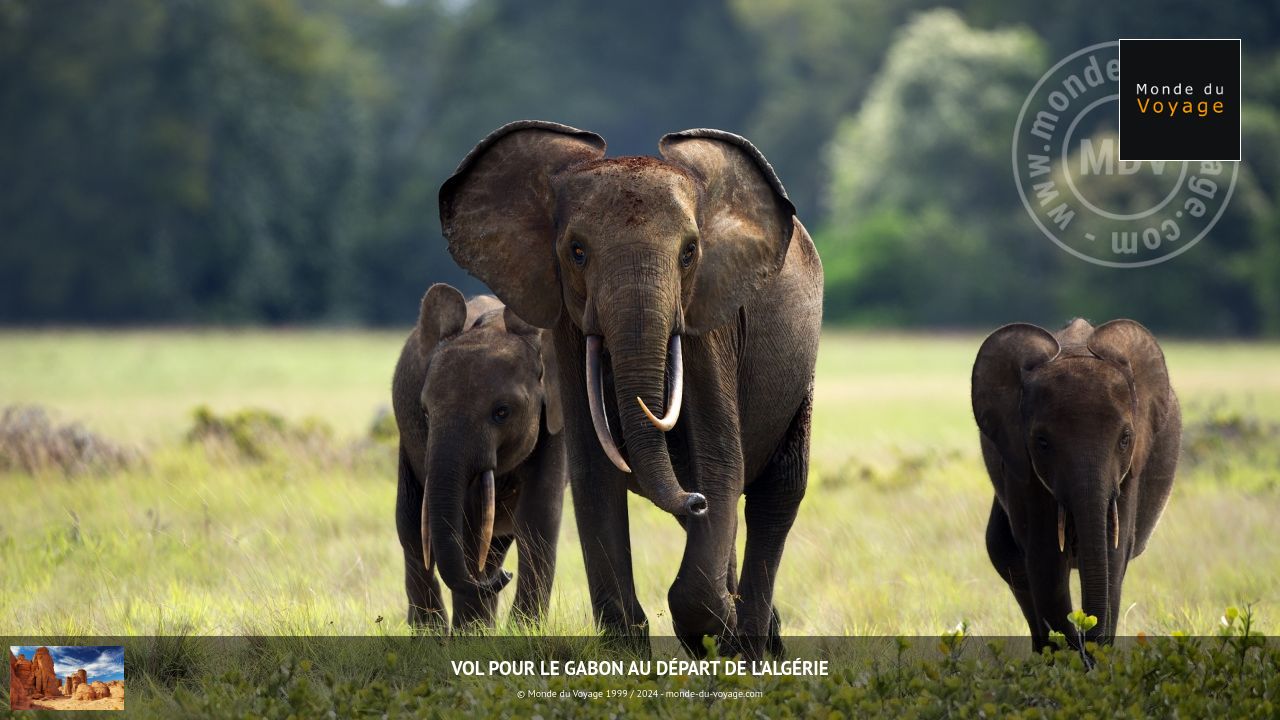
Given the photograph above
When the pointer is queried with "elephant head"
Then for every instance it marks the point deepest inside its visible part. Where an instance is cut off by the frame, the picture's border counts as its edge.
(634, 252)
(1080, 421)
(485, 401)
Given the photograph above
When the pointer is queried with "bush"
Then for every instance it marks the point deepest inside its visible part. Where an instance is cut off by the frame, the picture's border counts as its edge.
(259, 436)
(1234, 448)
(30, 442)
(253, 432)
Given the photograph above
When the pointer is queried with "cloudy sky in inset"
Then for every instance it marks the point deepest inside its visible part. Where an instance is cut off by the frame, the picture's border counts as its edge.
(100, 662)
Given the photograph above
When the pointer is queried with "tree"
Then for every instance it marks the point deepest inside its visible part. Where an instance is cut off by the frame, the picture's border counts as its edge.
(924, 224)
(175, 160)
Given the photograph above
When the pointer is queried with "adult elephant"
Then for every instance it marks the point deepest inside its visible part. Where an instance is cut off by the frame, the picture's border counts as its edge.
(685, 301)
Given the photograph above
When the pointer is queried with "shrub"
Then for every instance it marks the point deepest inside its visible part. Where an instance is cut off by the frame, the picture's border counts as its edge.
(30, 442)
(257, 435)
(253, 432)
(1232, 674)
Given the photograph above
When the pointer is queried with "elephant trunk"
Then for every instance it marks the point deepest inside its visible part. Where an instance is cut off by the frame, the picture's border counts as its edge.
(445, 529)
(1094, 534)
(638, 319)
(595, 397)
(640, 374)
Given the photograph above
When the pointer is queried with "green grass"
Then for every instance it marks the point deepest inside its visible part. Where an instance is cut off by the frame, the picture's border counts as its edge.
(889, 539)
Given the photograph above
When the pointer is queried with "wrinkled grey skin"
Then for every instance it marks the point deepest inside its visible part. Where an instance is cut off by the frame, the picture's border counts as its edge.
(462, 361)
(701, 244)
(1076, 420)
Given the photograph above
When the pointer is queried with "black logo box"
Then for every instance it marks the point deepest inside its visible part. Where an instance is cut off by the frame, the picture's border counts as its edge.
(1187, 68)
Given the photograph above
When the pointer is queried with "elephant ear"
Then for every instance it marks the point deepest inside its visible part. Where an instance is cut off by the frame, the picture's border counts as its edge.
(996, 391)
(745, 219)
(442, 315)
(541, 341)
(1133, 347)
(551, 385)
(497, 211)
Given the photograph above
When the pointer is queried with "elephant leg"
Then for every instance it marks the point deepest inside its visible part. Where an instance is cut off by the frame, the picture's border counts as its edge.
(600, 510)
(1010, 563)
(426, 603)
(599, 504)
(700, 599)
(731, 573)
(537, 521)
(728, 646)
(470, 609)
(1118, 568)
(773, 501)
(1049, 575)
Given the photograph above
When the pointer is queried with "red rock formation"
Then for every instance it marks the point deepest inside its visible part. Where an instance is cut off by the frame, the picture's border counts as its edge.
(44, 679)
(35, 680)
(22, 671)
(19, 699)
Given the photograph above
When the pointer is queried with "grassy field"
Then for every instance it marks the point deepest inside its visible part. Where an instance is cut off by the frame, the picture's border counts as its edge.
(889, 540)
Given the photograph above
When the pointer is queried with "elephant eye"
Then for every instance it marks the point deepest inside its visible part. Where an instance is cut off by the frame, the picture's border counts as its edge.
(689, 253)
(1125, 440)
(500, 413)
(1042, 442)
(578, 252)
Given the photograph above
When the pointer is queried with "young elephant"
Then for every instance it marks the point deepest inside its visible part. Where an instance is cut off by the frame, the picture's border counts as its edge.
(482, 461)
(1080, 434)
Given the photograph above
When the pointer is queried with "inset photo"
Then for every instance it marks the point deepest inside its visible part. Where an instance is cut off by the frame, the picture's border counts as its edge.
(66, 677)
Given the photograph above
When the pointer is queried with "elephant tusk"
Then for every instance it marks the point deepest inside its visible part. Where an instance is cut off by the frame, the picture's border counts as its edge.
(486, 520)
(426, 533)
(1115, 524)
(675, 363)
(595, 398)
(1062, 529)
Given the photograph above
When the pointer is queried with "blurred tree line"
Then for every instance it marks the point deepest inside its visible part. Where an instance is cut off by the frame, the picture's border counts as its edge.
(277, 161)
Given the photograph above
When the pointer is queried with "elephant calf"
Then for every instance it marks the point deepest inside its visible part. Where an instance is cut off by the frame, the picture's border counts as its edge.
(1080, 433)
(482, 461)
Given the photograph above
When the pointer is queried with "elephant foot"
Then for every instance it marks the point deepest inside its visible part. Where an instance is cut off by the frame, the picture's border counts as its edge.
(624, 630)
(733, 646)
(697, 613)
(755, 647)
(695, 644)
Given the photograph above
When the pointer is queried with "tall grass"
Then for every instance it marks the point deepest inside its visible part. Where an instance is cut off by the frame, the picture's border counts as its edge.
(888, 541)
